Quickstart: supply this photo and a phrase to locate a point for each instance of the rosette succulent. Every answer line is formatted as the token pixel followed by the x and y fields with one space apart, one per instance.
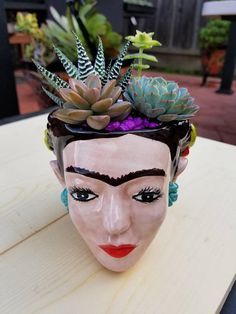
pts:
pixel 92 93
pixel 89 101
pixel 157 98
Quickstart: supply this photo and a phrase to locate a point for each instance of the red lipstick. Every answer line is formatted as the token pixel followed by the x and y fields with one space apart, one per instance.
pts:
pixel 118 251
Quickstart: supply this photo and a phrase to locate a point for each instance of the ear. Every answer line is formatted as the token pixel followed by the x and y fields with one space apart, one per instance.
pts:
pixel 57 172
pixel 181 166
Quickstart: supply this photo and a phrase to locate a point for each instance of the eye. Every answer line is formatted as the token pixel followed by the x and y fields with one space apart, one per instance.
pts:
pixel 148 195
pixel 82 195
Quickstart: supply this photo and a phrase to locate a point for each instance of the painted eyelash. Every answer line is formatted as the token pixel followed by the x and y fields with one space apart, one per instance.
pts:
pixel 150 189
pixel 75 189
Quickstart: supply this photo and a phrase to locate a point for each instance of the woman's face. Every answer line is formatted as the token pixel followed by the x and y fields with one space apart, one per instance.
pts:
pixel 117 193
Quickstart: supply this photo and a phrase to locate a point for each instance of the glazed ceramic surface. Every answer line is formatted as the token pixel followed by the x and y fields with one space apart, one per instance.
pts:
pixel 117 195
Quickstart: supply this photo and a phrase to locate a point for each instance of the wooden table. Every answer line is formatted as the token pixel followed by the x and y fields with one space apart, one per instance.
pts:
pixel 45 266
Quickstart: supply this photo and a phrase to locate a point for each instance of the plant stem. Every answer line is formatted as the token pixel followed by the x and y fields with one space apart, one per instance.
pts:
pixel 140 62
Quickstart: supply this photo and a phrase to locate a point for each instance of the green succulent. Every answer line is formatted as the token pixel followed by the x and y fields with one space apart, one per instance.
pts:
pixel 89 101
pixel 93 91
pixel 142 41
pixel 157 98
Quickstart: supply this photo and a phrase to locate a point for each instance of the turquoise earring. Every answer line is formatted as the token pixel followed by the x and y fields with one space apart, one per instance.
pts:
pixel 173 193
pixel 64 198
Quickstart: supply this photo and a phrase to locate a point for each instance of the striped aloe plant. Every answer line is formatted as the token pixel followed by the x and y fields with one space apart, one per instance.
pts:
pixel 93 92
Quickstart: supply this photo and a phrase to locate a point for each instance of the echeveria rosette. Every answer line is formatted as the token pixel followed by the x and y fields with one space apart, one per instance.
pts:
pixel 157 98
pixel 89 101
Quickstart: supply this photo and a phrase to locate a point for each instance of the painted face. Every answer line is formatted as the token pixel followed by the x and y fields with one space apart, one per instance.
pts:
pixel 117 193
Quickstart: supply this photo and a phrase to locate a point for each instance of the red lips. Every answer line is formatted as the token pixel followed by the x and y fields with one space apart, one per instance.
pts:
pixel 118 251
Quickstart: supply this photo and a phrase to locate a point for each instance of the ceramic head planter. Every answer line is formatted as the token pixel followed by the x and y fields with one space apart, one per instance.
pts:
pixel 119 146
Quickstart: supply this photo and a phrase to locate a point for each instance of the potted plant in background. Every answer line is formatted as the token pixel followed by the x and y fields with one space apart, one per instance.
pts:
pixel 40 46
pixel 213 42
pixel 40 49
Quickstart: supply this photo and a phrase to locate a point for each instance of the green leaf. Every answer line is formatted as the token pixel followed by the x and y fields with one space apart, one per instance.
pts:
pixel 115 70
pixel 125 79
pixel 96 25
pixel 99 65
pixel 144 56
pixel 71 70
pixel 114 39
pixel 137 66
pixel 57 17
pixel 85 66
pixel 56 99
pixel 54 80
pixel 85 9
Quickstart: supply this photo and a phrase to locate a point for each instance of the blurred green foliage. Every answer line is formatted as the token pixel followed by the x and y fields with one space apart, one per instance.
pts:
pixel 215 34
pixel 60 30
pixel 40 46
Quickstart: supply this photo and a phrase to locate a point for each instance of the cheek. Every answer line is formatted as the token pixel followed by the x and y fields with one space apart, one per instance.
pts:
pixel 149 217
pixel 86 216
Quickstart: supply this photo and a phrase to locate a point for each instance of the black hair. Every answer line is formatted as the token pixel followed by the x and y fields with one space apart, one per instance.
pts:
pixel 176 135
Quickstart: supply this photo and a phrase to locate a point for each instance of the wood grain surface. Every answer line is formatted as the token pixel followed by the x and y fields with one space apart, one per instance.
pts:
pixel 45 267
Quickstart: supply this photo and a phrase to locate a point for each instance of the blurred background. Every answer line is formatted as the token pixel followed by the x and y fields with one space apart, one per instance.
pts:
pixel 193 51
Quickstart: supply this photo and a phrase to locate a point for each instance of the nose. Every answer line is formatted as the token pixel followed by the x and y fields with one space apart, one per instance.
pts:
pixel 116 216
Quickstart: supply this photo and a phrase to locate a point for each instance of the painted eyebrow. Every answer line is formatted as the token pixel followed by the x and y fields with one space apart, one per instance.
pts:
pixel 116 181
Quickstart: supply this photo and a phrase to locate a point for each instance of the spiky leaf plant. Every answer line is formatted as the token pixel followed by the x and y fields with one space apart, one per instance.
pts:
pixel 157 98
pixel 93 92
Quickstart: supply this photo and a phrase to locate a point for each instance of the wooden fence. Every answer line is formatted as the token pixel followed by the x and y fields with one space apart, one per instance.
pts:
pixel 175 22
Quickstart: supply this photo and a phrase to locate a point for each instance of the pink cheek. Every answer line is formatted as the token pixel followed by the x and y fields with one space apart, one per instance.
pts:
pixel 85 215
pixel 148 218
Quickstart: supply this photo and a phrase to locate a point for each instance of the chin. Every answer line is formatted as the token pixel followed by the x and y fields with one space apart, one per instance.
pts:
pixel 117 264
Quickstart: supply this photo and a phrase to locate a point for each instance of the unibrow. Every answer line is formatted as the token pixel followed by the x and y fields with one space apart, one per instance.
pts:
pixel 116 181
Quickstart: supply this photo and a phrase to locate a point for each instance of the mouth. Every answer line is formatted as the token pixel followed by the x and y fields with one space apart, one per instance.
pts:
pixel 118 251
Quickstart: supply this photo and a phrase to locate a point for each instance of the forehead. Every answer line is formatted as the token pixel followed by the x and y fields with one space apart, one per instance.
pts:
pixel 116 156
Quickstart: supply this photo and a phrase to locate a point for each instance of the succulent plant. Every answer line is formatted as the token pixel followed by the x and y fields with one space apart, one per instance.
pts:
pixel 89 101
pixel 93 92
pixel 39 46
pixel 142 41
pixel 157 98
